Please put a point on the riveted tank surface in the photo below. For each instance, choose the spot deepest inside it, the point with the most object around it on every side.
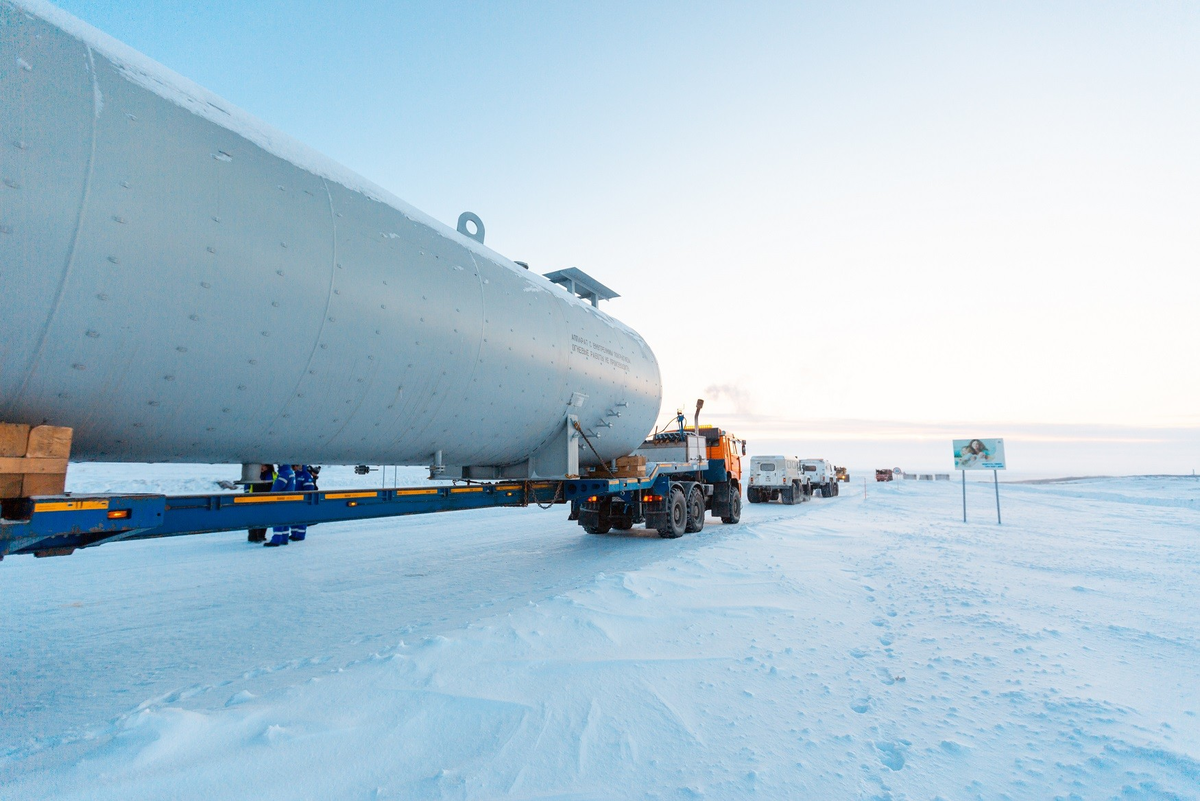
(179, 282)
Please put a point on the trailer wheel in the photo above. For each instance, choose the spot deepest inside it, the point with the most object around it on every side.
(695, 510)
(623, 522)
(735, 506)
(603, 519)
(676, 522)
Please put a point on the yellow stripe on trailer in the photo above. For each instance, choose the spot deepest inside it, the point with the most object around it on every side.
(417, 492)
(70, 506)
(334, 496)
(467, 489)
(266, 498)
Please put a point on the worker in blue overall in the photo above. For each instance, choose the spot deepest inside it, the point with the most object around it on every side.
(306, 481)
(285, 481)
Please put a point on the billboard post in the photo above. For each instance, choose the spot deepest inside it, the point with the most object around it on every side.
(996, 484)
(980, 454)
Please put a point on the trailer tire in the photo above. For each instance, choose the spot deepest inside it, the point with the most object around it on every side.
(623, 522)
(695, 510)
(735, 506)
(676, 522)
(603, 519)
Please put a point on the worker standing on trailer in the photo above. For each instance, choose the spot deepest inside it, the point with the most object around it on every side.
(285, 481)
(306, 481)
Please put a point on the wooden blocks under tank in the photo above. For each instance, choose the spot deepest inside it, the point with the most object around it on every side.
(33, 460)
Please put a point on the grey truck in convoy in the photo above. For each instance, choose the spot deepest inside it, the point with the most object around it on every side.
(777, 478)
(822, 475)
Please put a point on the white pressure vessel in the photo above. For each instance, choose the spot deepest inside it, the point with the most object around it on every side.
(179, 282)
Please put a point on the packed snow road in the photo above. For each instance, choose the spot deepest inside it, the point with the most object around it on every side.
(845, 648)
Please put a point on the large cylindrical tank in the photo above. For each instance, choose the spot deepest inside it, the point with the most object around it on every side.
(179, 282)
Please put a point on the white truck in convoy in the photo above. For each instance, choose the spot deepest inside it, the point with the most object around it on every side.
(822, 475)
(779, 478)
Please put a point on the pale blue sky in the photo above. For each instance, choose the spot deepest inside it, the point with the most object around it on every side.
(935, 214)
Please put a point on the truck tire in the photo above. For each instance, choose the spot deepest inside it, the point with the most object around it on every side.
(752, 495)
(676, 521)
(695, 510)
(836, 489)
(623, 522)
(788, 495)
(735, 506)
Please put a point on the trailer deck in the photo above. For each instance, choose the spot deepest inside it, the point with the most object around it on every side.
(57, 525)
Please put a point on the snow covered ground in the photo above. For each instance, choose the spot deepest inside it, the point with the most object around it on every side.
(845, 648)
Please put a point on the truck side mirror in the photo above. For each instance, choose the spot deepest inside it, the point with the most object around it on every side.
(743, 447)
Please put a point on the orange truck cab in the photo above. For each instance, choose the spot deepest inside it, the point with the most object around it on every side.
(725, 452)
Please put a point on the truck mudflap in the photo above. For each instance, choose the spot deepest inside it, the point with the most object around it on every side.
(721, 500)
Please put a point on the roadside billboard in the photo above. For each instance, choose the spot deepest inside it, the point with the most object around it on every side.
(978, 454)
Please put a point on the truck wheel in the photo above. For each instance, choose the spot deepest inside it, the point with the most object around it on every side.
(695, 510)
(836, 490)
(752, 495)
(735, 507)
(676, 521)
(623, 523)
(597, 529)
(788, 496)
